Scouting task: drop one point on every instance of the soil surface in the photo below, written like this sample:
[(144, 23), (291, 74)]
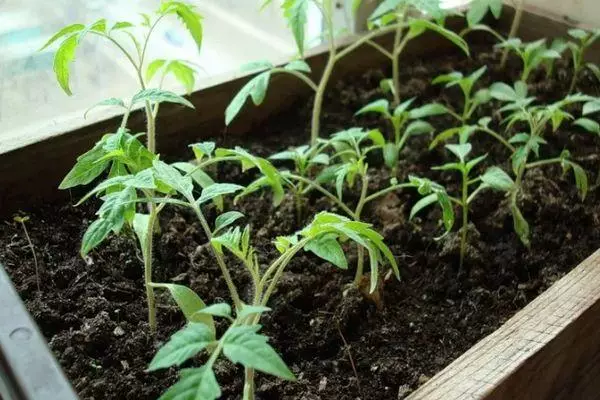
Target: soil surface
[(92, 311)]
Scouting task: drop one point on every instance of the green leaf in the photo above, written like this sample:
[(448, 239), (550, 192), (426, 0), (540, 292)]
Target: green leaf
[(328, 248), (419, 128), (242, 344), (444, 136), (203, 149), (86, 169), (184, 74), (140, 227), (195, 384), (422, 204), (122, 25), (588, 124), (497, 179), (579, 34), (182, 346), (501, 91), (418, 25), (380, 106), (479, 8), (224, 220), (296, 13), (66, 31), (248, 310), (113, 101), (256, 88), (200, 177), (591, 107), (390, 155), (62, 61), (460, 150), (187, 14), (153, 68), (520, 225), (189, 303), (428, 110), (155, 95), (171, 177), (298, 65), (216, 310), (218, 189)]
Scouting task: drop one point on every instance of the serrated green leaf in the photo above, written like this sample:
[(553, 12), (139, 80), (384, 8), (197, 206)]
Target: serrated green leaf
[(189, 303), (156, 95), (428, 110), (380, 106), (588, 124), (66, 31), (224, 220), (296, 14), (298, 65), (216, 310), (182, 346), (203, 149), (86, 169), (460, 150), (184, 74), (122, 25), (170, 176), (497, 179), (113, 101), (328, 248), (501, 91), (187, 14), (194, 384), (479, 8), (417, 26), (244, 345), (62, 61), (153, 68), (218, 189), (256, 88), (248, 310)]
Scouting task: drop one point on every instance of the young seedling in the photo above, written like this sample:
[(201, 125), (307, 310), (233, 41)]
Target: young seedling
[(408, 28), (560, 46), (21, 220), (120, 153), (120, 35), (590, 125), (532, 54), (346, 167), (466, 83), (537, 118), (465, 132), (305, 160), (584, 41), (321, 237), (295, 11), (493, 178), (406, 122)]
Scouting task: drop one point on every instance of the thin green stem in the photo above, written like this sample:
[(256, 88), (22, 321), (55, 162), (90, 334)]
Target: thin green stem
[(324, 191), (218, 256), (385, 191), (513, 30), (380, 48), (360, 251), (465, 217), (298, 75), (148, 255), (396, 63), (540, 163), (498, 137)]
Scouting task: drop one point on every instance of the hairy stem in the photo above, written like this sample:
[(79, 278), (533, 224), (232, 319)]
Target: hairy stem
[(513, 30), (147, 254), (465, 218), (324, 191)]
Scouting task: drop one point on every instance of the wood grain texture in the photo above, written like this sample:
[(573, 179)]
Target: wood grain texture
[(548, 350)]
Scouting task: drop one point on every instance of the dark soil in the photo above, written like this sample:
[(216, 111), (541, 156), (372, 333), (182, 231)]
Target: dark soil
[(93, 311)]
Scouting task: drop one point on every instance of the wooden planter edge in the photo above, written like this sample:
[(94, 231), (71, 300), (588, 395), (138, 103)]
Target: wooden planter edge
[(549, 349)]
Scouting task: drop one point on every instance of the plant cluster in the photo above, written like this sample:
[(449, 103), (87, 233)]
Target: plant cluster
[(134, 185)]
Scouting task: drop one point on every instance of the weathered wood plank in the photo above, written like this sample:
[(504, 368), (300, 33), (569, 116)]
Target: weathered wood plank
[(548, 350)]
